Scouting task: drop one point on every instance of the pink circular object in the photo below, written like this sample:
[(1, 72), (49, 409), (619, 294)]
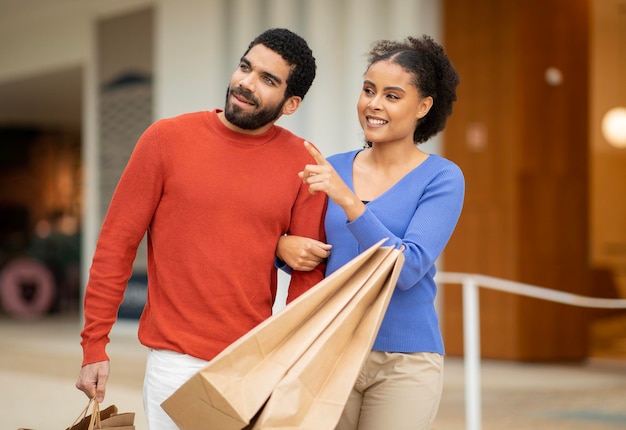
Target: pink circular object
[(24, 273)]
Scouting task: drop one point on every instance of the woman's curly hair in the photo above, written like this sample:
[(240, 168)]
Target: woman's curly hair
[(296, 52), (433, 75)]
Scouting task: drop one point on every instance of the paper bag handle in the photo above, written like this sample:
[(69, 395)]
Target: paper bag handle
[(94, 421)]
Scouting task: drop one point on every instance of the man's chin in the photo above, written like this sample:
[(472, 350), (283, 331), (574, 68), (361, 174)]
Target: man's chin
[(240, 120)]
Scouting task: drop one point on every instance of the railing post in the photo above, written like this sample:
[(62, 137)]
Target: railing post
[(471, 346)]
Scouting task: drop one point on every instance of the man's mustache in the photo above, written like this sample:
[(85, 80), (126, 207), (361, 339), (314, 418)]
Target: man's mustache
[(245, 94)]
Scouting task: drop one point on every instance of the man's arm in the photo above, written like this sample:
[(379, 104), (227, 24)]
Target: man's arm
[(128, 217), (307, 221)]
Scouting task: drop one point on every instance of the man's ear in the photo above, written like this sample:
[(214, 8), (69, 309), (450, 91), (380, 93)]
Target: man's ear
[(291, 105)]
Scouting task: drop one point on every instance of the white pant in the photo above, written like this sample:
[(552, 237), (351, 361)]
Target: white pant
[(166, 371)]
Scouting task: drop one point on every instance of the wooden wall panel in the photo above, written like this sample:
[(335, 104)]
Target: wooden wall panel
[(525, 215)]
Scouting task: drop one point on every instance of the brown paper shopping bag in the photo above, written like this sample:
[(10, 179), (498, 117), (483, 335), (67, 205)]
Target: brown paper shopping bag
[(313, 393), (124, 421), (233, 388), (103, 419), (92, 418)]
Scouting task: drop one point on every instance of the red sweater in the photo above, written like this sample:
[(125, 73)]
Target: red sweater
[(213, 203)]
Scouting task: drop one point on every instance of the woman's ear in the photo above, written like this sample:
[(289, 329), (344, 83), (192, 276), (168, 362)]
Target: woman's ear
[(291, 105), (424, 107)]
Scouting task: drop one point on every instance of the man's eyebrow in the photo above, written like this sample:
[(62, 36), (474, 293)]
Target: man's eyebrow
[(272, 76)]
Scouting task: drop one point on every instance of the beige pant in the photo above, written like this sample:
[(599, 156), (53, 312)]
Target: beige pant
[(395, 391)]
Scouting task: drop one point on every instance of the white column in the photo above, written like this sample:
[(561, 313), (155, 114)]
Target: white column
[(189, 74), (91, 173)]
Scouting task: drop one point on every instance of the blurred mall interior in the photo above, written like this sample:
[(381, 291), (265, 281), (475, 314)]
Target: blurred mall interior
[(545, 184)]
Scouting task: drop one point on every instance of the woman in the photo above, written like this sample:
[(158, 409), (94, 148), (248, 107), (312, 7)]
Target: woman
[(392, 189)]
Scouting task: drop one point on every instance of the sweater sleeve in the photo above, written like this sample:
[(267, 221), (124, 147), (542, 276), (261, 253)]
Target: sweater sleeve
[(126, 222), (429, 229)]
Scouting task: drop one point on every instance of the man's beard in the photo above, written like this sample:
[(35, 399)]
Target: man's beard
[(250, 121)]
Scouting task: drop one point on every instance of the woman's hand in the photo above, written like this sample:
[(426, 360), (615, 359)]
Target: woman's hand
[(323, 177), (302, 253)]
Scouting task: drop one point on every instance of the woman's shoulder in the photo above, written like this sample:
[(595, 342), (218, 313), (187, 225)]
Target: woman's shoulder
[(343, 157), (441, 163)]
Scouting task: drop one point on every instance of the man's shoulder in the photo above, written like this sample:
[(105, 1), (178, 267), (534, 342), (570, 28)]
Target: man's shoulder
[(181, 123), (289, 141), (185, 117), (284, 133)]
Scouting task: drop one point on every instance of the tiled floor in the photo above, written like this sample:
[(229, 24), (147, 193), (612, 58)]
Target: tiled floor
[(39, 362)]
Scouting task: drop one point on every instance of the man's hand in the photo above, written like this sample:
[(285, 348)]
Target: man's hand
[(92, 379), (302, 253)]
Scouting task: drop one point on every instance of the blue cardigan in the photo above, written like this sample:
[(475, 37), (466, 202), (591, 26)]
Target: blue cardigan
[(420, 212)]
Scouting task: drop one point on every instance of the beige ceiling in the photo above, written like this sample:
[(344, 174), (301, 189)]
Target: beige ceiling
[(13, 7), (51, 100)]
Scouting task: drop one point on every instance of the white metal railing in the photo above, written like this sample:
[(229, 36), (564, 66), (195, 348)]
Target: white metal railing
[(471, 324)]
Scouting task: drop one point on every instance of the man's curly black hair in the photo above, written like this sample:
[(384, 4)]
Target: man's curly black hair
[(433, 75), (296, 52)]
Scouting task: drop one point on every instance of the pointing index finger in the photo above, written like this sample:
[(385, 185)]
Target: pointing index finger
[(315, 153)]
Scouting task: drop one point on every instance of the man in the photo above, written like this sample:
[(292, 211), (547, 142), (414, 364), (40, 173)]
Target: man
[(214, 191)]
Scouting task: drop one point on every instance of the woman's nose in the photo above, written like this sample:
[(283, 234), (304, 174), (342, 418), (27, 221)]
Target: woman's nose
[(374, 104)]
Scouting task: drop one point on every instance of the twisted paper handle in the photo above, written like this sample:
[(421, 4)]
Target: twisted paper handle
[(94, 422)]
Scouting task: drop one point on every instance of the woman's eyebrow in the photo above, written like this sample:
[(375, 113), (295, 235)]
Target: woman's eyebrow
[(366, 82)]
